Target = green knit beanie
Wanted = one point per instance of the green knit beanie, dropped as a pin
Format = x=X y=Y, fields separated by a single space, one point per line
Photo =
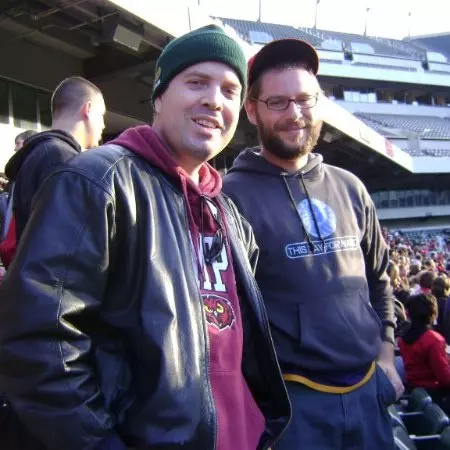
x=209 y=43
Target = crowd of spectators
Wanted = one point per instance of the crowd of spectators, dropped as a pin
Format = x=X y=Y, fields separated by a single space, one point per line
x=419 y=271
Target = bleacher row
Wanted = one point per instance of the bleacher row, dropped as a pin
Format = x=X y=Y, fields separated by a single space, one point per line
x=424 y=235
x=425 y=126
x=435 y=152
x=419 y=424
x=420 y=127
x=320 y=38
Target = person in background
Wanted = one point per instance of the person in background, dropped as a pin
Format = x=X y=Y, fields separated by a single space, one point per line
x=7 y=223
x=21 y=138
x=423 y=351
x=78 y=110
x=426 y=279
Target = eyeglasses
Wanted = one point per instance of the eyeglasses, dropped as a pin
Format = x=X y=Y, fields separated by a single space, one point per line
x=282 y=103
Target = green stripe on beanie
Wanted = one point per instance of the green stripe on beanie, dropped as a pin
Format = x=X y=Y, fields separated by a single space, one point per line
x=209 y=43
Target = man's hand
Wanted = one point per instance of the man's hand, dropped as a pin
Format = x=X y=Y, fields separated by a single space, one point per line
x=387 y=364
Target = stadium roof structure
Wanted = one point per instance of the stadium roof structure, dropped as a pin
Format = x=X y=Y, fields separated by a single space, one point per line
x=333 y=40
x=439 y=42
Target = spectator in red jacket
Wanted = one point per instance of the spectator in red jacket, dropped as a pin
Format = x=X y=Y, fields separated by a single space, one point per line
x=423 y=350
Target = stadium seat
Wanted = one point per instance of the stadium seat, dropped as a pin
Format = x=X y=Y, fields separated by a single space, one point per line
x=432 y=422
x=411 y=413
x=444 y=441
x=395 y=417
x=402 y=441
x=418 y=400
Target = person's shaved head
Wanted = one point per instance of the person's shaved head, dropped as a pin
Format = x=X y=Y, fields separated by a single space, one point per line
x=71 y=94
x=78 y=107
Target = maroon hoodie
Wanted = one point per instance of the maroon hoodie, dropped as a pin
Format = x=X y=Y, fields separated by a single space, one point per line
x=240 y=423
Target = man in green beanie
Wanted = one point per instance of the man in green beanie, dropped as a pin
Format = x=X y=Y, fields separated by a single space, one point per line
x=139 y=323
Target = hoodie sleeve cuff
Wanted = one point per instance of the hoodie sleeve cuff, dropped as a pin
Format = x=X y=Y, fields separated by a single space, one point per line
x=388 y=334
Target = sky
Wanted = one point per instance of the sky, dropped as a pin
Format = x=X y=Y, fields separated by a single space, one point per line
x=386 y=18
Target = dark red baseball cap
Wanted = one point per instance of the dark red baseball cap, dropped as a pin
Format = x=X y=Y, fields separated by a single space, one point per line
x=280 y=51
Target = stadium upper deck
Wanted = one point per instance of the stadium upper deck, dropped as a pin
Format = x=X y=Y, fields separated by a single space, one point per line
x=423 y=49
x=115 y=44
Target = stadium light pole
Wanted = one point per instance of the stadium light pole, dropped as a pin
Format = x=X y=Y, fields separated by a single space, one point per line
x=315 y=20
x=259 y=16
x=367 y=20
x=409 y=24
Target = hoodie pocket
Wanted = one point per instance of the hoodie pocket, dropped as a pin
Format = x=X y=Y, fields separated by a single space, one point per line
x=338 y=332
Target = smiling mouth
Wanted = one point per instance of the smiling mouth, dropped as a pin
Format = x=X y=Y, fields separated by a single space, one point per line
x=208 y=124
x=294 y=129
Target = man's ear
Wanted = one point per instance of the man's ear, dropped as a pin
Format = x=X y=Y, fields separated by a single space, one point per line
x=86 y=109
x=157 y=105
x=250 y=109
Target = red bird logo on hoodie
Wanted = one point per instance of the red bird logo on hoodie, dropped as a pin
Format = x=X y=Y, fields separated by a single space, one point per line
x=218 y=311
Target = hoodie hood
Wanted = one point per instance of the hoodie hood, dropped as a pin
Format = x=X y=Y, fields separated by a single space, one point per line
x=413 y=333
x=16 y=161
x=146 y=143
x=251 y=160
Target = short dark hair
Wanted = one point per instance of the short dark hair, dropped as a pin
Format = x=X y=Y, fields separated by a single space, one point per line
x=428 y=262
x=414 y=269
x=25 y=135
x=422 y=309
x=426 y=279
x=441 y=287
x=255 y=89
x=71 y=94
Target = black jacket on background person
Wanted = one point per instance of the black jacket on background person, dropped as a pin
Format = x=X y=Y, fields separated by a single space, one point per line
x=123 y=352
x=32 y=164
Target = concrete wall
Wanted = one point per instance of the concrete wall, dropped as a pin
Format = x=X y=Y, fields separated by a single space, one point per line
x=44 y=68
x=40 y=67
x=127 y=96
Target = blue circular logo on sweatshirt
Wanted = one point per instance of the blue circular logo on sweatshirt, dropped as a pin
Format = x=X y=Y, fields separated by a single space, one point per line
x=325 y=217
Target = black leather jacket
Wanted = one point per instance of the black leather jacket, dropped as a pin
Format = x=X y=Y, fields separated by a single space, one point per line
x=101 y=322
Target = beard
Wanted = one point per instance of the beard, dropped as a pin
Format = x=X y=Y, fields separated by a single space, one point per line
x=273 y=143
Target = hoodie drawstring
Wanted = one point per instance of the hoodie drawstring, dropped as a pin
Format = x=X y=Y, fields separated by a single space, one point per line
x=192 y=228
x=291 y=197
x=312 y=210
x=308 y=197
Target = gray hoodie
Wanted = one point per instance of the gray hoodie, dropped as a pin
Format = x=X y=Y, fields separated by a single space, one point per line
x=322 y=265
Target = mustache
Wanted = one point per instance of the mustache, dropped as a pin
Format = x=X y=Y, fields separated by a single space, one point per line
x=299 y=123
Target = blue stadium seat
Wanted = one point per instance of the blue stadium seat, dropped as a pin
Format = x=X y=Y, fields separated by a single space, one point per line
x=418 y=400
x=396 y=419
x=432 y=422
x=402 y=440
x=411 y=413
x=444 y=440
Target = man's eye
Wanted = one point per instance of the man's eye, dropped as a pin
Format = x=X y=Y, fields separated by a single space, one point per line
x=231 y=91
x=197 y=82
x=276 y=102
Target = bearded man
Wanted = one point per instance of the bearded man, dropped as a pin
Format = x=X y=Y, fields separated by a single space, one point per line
x=322 y=266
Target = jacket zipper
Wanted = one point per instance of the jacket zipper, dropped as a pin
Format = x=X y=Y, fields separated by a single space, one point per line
x=205 y=330
x=263 y=315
